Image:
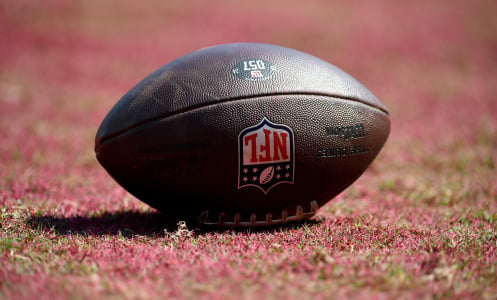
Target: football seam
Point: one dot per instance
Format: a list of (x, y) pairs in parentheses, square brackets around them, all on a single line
[(103, 140)]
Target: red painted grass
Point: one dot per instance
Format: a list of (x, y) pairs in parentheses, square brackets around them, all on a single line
[(420, 223)]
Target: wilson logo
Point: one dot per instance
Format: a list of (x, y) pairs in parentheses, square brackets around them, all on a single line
[(266, 155)]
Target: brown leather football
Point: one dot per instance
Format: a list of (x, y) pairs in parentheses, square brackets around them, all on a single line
[(242, 135)]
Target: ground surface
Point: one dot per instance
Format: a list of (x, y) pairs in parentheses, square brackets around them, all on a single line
[(420, 223)]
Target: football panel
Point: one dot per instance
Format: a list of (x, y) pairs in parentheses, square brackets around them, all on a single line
[(213, 75), (194, 161)]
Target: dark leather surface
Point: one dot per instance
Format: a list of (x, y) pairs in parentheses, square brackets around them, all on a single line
[(172, 141), (205, 77)]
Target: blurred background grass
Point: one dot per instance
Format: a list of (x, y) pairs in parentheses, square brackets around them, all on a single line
[(63, 64)]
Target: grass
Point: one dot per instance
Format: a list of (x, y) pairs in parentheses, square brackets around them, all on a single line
[(420, 223), (347, 254)]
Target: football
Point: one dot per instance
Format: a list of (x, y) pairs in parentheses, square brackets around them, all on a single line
[(242, 135)]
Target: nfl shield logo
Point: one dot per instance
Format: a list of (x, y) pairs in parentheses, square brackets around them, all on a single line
[(266, 156)]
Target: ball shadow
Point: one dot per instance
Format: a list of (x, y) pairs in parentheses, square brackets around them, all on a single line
[(132, 223), (125, 223)]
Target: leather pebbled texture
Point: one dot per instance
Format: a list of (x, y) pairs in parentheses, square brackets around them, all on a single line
[(173, 140), (205, 77)]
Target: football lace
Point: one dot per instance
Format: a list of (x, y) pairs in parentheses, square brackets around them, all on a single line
[(221, 221)]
